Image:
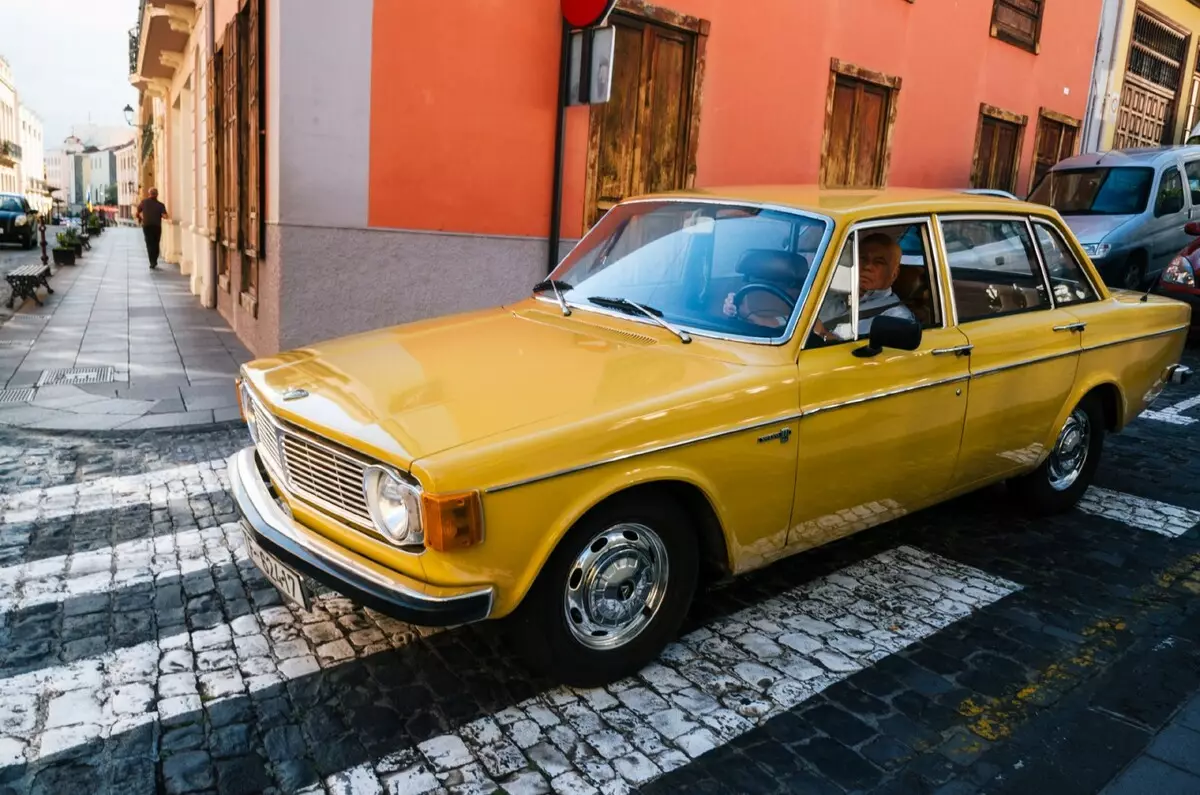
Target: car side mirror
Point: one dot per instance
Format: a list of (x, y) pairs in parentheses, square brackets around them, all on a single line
[(900, 333), (1192, 228)]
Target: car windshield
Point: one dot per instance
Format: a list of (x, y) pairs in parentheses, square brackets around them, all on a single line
[(1095, 191), (725, 269), (10, 205)]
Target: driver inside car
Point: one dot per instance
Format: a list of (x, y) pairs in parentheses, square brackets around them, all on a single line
[(878, 267)]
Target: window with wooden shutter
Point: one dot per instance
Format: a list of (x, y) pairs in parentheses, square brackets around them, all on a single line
[(1056, 135), (860, 113), (251, 149), (211, 137), (1019, 22), (997, 149), (231, 225)]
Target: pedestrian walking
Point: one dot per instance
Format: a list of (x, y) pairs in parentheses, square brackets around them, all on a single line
[(150, 214)]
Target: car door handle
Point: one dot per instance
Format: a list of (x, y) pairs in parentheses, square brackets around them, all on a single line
[(1071, 327), (959, 350)]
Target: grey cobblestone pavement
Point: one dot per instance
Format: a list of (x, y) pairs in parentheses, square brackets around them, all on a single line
[(157, 359), (963, 649)]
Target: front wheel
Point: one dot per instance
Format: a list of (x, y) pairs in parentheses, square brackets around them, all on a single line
[(1056, 485), (612, 595)]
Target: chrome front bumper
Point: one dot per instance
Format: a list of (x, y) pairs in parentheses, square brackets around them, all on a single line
[(1178, 374), (363, 581)]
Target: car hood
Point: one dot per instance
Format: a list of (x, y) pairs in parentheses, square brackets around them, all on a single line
[(406, 392), (1094, 228)]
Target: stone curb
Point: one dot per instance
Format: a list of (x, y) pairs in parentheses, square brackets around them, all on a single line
[(212, 427)]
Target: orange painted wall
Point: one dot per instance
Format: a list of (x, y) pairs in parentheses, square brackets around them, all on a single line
[(463, 98)]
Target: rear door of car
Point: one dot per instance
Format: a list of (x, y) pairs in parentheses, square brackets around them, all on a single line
[(1169, 207), (1024, 349)]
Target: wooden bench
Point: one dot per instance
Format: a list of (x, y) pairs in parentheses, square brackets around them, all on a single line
[(25, 280)]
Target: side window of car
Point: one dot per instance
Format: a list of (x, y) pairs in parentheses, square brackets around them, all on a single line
[(1170, 193), (1067, 279), (993, 268), (1193, 177)]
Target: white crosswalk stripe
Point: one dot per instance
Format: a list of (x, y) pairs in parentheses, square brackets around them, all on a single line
[(711, 686), (96, 571), (1140, 512), (1173, 415), (157, 489)]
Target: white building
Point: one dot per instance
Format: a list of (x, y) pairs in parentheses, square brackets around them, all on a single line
[(127, 178), (33, 161), (10, 143), (60, 174), (101, 171)]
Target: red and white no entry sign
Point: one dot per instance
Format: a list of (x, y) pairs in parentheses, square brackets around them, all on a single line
[(586, 13)]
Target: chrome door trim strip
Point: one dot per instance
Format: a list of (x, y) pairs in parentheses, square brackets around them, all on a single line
[(881, 395), (792, 417), (1017, 365)]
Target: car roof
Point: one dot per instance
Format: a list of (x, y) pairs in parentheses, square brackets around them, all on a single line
[(847, 203), (1125, 158)]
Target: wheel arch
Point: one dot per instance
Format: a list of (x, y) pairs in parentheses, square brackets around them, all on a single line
[(1112, 402)]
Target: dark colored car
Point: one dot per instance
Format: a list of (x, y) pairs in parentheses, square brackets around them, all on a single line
[(18, 221), (1179, 278)]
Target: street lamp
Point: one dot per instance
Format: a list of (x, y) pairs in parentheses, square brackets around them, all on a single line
[(129, 115)]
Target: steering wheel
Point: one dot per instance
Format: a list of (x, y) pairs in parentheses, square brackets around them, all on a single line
[(741, 294)]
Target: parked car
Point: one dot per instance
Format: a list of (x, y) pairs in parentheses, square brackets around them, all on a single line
[(18, 221), (1179, 279), (691, 395), (1127, 207)]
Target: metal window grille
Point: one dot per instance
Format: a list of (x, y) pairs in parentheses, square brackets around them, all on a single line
[(1157, 52)]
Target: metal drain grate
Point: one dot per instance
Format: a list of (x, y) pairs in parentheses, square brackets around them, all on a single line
[(77, 375), (16, 395)]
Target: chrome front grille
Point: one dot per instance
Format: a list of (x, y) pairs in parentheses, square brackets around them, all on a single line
[(325, 477), (315, 471)]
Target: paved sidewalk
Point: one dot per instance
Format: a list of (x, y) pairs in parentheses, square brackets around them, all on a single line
[(117, 347), (1170, 765)]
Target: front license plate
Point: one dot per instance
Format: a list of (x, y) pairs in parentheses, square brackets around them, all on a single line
[(281, 576)]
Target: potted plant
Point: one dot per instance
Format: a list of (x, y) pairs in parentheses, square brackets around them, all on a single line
[(64, 252), (70, 239), (93, 225)]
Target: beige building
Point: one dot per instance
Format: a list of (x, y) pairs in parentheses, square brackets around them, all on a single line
[(33, 160), (10, 135), (127, 178)]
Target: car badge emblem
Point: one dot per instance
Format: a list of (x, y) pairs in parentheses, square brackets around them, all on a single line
[(295, 394)]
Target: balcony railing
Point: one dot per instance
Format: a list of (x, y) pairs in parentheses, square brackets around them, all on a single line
[(135, 37), (9, 150)]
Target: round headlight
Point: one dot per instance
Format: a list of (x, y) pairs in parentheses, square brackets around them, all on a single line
[(395, 506), (251, 418), (21, 220)]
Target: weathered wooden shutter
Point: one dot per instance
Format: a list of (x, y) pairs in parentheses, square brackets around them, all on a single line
[(857, 134), (253, 142), (212, 136), (231, 227)]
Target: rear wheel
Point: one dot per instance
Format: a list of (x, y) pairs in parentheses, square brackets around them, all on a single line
[(612, 595), (1056, 485)]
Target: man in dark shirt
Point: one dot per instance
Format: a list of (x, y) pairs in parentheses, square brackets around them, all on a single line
[(150, 214)]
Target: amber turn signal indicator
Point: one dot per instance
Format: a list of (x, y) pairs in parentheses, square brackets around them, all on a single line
[(452, 521)]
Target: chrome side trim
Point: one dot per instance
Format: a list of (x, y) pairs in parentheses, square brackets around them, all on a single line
[(1029, 363), (890, 393), (639, 453), (1149, 336), (249, 483), (1178, 374)]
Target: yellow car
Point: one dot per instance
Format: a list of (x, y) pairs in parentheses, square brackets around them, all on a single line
[(710, 381)]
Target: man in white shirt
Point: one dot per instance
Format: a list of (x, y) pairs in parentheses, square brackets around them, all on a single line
[(878, 267)]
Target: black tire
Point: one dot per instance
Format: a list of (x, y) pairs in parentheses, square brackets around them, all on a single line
[(1037, 492), (1135, 272), (540, 624)]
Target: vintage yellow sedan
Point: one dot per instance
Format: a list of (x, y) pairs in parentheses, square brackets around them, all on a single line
[(710, 381)]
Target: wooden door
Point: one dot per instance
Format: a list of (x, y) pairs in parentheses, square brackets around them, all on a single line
[(640, 138), (1144, 115), (1153, 74), (1055, 141), (999, 143), (857, 134)]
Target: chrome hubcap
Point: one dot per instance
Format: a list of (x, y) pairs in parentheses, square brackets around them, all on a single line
[(615, 586), (1070, 451)]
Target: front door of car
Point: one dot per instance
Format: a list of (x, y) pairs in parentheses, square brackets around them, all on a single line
[(1165, 232), (879, 435), (1024, 350)]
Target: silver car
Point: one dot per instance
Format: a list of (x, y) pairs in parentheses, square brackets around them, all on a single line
[(1127, 207)]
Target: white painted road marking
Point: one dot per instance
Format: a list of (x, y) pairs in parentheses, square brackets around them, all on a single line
[(1140, 512), (1173, 414), (156, 488), (708, 688), (96, 571)]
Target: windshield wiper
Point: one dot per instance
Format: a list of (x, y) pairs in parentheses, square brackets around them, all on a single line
[(654, 314), (556, 285)]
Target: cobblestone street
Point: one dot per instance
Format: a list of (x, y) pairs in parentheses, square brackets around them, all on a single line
[(966, 648)]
